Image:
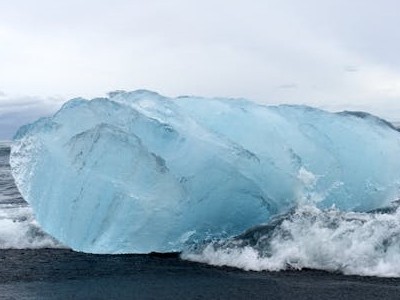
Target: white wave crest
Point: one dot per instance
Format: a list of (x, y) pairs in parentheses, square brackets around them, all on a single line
[(347, 242), (19, 230)]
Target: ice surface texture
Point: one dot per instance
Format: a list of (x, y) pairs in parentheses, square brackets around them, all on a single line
[(139, 172)]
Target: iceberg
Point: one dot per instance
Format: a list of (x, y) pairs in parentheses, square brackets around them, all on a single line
[(138, 172)]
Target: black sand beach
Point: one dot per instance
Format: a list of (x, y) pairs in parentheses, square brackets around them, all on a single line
[(64, 274)]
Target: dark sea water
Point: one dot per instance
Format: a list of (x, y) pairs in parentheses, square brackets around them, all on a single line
[(63, 274), (35, 266)]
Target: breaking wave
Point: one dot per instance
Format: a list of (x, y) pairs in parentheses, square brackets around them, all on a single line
[(346, 242), (19, 230)]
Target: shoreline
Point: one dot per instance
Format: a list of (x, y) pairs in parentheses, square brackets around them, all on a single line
[(63, 273)]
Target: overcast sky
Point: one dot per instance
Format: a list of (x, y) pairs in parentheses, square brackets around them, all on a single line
[(333, 54)]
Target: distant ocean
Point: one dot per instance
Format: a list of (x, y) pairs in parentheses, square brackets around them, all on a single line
[(35, 266)]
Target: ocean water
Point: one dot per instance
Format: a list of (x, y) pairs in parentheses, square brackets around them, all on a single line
[(305, 254)]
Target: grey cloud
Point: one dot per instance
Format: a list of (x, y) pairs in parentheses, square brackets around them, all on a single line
[(19, 111), (17, 103), (288, 86), (210, 48), (351, 69)]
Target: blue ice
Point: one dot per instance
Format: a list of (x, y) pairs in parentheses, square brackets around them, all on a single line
[(138, 172)]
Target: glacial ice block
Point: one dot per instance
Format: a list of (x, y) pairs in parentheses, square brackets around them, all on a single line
[(138, 172)]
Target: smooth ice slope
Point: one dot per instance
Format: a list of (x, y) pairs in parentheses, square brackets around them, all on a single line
[(139, 172)]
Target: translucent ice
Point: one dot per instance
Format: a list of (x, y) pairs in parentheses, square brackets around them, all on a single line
[(139, 172)]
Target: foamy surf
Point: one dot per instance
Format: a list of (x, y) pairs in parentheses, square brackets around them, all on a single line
[(347, 242), (19, 230)]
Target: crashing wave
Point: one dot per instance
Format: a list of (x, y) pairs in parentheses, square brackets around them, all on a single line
[(347, 242), (19, 230), (139, 172)]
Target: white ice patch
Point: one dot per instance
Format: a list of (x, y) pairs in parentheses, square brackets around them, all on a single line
[(307, 177), (306, 193), (352, 243)]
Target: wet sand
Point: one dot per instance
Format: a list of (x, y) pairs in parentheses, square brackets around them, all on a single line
[(64, 274)]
